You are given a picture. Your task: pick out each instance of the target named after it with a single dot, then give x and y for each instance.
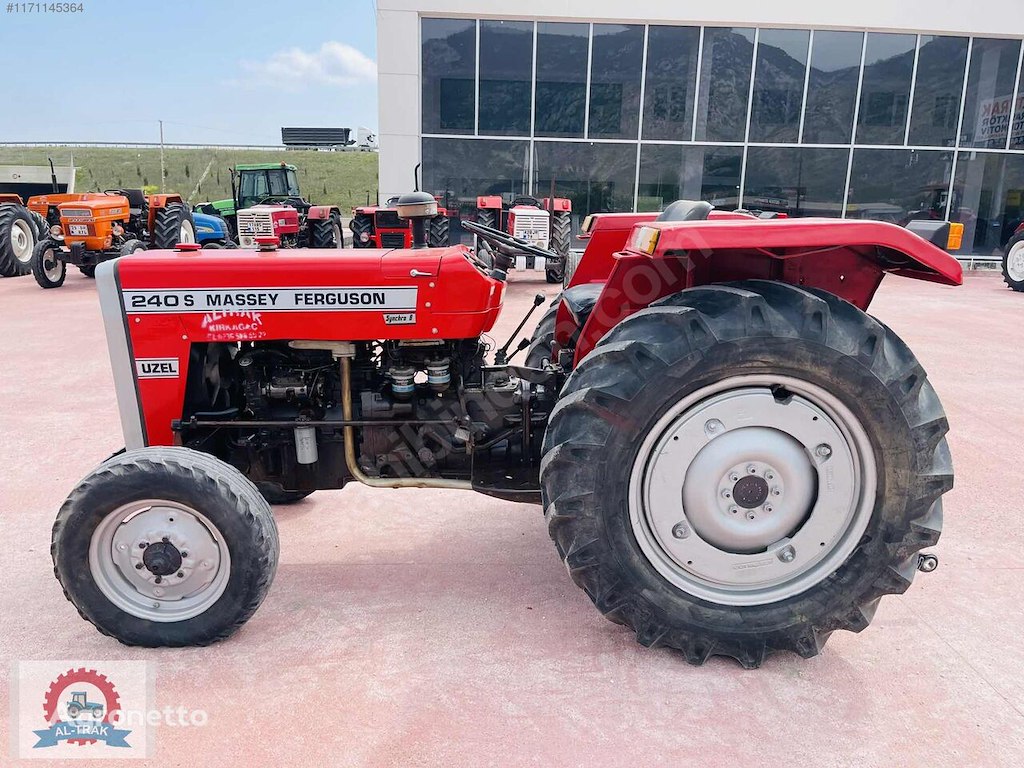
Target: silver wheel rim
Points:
(741, 499)
(22, 241)
(120, 545)
(339, 240)
(1015, 262)
(186, 233)
(53, 267)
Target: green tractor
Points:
(261, 190)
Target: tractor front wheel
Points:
(88, 271)
(18, 238)
(438, 234)
(744, 468)
(1013, 263)
(173, 225)
(47, 267)
(165, 547)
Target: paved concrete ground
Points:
(428, 627)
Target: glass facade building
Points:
(810, 122)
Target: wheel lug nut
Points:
(680, 530)
(726, 494)
(824, 451)
(769, 475)
(751, 469)
(122, 547)
(734, 510)
(713, 426)
(751, 515)
(143, 545)
(165, 539)
(776, 492)
(158, 592)
(184, 554)
(138, 566)
(181, 575)
(769, 508)
(787, 554)
(158, 579)
(734, 477)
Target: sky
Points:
(215, 72)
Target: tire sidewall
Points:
(859, 390)
(197, 491)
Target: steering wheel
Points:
(506, 244)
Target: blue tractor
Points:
(212, 231)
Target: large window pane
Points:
(596, 177)
(797, 181)
(449, 75)
(988, 197)
(778, 84)
(617, 57)
(673, 172)
(989, 91)
(458, 170)
(832, 87)
(724, 84)
(897, 185)
(561, 78)
(506, 67)
(885, 92)
(938, 90)
(671, 75)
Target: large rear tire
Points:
(173, 225)
(745, 468)
(18, 238)
(321, 233)
(48, 268)
(165, 547)
(438, 234)
(362, 231)
(1013, 263)
(561, 242)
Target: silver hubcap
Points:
(22, 241)
(740, 498)
(159, 560)
(339, 239)
(1015, 262)
(53, 267)
(186, 234)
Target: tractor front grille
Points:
(389, 220)
(255, 224)
(532, 227)
(392, 240)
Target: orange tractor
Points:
(100, 226)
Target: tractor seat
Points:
(136, 198)
(686, 210)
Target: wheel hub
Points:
(1015, 262)
(772, 480)
(21, 241)
(162, 558)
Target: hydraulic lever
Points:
(501, 356)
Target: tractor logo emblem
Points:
(81, 706)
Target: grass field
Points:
(342, 178)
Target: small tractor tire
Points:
(173, 225)
(18, 238)
(89, 271)
(486, 217)
(47, 268)
(128, 247)
(540, 342)
(644, 444)
(438, 232)
(360, 225)
(321, 233)
(1013, 263)
(275, 494)
(165, 547)
(212, 244)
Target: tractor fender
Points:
(489, 201)
(322, 212)
(556, 204)
(162, 201)
(845, 257)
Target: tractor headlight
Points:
(645, 239)
(56, 231)
(364, 237)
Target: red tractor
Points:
(545, 224)
(382, 227)
(732, 456)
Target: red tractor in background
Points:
(732, 456)
(544, 224)
(382, 227)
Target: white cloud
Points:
(293, 69)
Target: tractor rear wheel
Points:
(561, 242)
(42, 225)
(744, 468)
(18, 237)
(165, 547)
(173, 225)
(362, 231)
(321, 233)
(47, 267)
(486, 217)
(438, 235)
(1013, 263)
(540, 342)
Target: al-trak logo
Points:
(80, 707)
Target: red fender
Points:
(845, 257)
(489, 201)
(322, 212)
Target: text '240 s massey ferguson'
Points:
(732, 456)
